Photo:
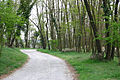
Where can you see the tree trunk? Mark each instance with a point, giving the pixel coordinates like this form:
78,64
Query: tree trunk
47,27
95,31
43,41
12,41
26,34
59,29
106,12
68,26
115,18
1,44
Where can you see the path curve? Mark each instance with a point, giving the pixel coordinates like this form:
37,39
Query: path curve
41,67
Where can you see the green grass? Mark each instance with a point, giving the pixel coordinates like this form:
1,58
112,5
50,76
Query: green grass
11,59
87,68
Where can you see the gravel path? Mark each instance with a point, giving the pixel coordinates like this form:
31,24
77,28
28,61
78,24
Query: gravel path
41,67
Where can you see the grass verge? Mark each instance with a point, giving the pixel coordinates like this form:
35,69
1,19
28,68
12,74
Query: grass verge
11,59
89,69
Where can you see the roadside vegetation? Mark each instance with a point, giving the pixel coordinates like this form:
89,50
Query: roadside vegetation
91,28
89,69
11,59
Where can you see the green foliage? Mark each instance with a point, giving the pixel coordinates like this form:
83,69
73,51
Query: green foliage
89,69
8,15
114,33
11,59
25,8
36,34
54,44
9,20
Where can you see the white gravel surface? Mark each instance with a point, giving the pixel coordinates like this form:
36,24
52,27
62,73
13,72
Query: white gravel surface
41,67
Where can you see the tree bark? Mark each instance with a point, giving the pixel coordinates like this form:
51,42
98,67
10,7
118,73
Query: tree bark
95,31
26,34
115,18
106,13
47,27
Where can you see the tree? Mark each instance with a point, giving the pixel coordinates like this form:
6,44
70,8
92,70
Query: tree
106,9
9,20
25,10
95,30
115,19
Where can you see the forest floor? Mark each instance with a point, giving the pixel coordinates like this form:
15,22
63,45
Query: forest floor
88,69
42,66
10,60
